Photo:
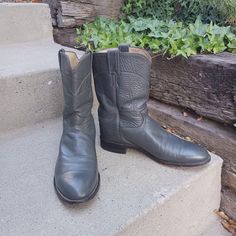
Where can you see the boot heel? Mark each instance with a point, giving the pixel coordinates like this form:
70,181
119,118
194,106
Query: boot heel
112,147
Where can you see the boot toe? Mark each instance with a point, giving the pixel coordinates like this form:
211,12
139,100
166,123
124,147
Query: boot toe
196,155
75,187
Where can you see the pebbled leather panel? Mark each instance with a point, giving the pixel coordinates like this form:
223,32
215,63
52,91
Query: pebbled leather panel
133,88
132,92
132,99
135,63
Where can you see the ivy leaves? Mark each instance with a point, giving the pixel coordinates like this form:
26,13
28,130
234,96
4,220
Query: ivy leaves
173,38
218,11
104,33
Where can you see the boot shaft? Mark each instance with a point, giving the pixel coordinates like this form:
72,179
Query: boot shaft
122,78
77,89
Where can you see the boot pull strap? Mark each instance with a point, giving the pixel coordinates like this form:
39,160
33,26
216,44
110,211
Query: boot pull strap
113,60
124,47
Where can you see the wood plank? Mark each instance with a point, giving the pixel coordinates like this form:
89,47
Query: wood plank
228,203
108,8
75,13
203,83
69,14
77,9
65,36
72,14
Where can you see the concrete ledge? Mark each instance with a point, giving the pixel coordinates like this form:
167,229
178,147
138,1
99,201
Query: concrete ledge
22,22
23,58
137,195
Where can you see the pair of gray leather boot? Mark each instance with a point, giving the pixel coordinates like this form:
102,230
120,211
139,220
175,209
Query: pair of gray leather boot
122,78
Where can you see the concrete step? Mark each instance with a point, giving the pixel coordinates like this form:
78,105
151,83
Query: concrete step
30,83
137,196
216,229
25,22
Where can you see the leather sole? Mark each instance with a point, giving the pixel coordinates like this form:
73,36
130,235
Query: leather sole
72,201
122,149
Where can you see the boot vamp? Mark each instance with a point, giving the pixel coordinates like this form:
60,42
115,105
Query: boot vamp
152,138
76,173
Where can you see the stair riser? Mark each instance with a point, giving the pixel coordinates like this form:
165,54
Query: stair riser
30,98
190,210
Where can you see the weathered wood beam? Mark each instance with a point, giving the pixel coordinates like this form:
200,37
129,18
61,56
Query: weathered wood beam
71,14
77,9
203,83
108,8
228,203
65,36
75,13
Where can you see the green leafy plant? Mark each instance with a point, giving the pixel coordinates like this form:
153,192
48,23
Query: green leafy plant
105,33
217,11
226,7
168,37
161,9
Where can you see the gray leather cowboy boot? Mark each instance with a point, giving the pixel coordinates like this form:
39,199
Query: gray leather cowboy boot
76,173
122,79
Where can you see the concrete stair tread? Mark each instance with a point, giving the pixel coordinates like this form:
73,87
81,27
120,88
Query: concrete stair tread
31,57
216,229
136,193
25,22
